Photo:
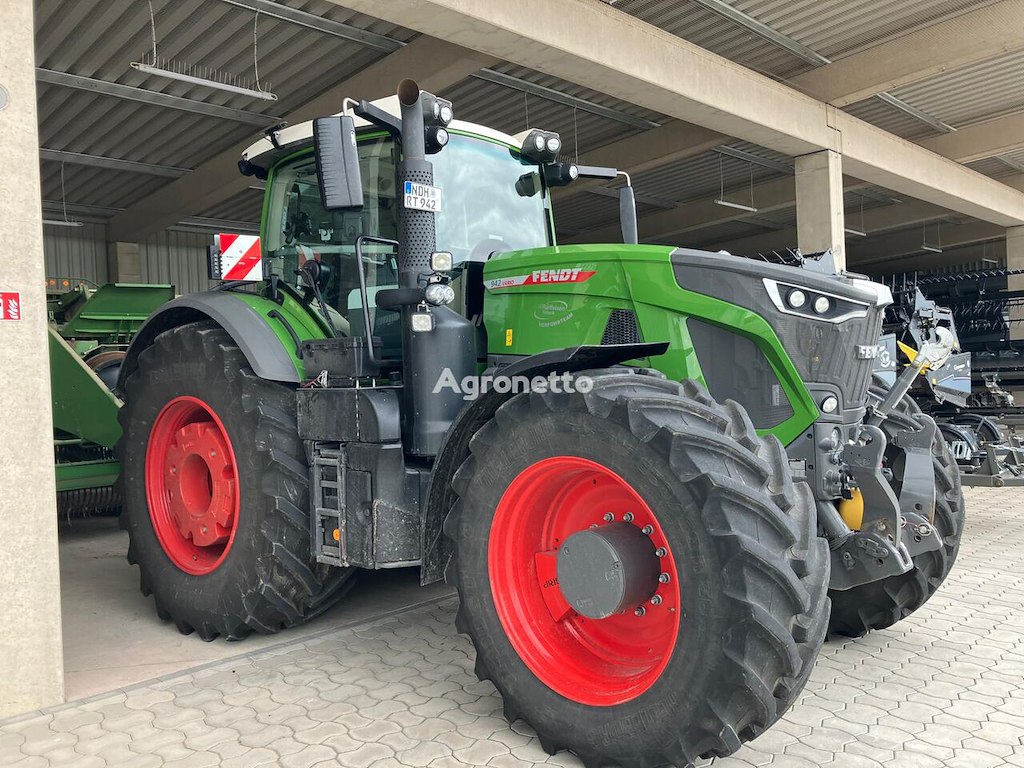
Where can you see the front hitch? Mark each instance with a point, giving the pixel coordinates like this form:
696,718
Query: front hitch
874,552
917,494
893,529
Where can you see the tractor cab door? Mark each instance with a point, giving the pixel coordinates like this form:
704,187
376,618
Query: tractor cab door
299,228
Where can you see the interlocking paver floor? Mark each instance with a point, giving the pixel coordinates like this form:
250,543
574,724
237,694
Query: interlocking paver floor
942,688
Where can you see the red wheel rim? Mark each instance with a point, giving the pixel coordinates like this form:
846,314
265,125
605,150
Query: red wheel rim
192,485
598,662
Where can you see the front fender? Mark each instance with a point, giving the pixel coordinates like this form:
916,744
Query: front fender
266,332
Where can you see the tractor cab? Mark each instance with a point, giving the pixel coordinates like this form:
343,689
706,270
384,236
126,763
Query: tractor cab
491,199
490,194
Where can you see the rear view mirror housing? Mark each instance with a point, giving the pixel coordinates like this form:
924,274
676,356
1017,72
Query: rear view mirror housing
627,215
337,163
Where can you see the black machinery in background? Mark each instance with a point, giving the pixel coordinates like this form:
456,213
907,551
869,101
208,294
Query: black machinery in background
968,396
985,311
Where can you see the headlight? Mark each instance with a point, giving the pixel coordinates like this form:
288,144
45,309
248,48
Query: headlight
441,261
439,294
829,404
435,138
539,146
437,111
422,322
814,303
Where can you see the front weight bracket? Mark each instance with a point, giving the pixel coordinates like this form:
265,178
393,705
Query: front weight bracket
875,551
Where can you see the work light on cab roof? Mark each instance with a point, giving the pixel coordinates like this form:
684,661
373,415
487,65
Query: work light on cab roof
539,146
437,114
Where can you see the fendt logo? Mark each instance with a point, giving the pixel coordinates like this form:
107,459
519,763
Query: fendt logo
576,275
542,277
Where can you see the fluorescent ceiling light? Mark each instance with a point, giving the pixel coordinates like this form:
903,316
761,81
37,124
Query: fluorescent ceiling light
63,223
930,248
855,232
251,92
738,206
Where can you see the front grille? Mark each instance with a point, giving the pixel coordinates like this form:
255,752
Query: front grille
735,369
827,354
822,352
621,328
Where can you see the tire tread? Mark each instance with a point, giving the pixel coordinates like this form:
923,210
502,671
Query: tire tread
697,436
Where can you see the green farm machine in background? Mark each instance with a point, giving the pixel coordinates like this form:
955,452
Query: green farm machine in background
647,470
90,329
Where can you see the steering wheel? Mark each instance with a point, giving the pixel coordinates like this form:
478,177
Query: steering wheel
298,225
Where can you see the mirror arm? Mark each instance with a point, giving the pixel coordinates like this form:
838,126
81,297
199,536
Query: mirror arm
597,172
379,117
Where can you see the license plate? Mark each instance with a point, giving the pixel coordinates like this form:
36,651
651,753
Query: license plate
422,197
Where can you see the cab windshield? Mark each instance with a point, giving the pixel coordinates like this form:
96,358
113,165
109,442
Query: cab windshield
481,213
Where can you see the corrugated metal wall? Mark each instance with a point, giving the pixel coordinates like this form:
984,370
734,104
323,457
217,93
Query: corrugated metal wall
76,252
176,257
173,256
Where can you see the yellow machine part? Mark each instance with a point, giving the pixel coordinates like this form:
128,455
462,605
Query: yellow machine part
852,510
907,350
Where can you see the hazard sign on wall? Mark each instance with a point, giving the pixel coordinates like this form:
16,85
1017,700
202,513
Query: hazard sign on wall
10,305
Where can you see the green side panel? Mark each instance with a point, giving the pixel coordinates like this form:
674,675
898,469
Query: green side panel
302,319
87,474
544,299
82,404
115,311
567,297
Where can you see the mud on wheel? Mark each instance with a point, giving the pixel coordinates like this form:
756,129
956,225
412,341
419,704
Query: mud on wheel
881,604
215,493
639,574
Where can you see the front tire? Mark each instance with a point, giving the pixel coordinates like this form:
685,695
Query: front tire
215,489
727,640
880,604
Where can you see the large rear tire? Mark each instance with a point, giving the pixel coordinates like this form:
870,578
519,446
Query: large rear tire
730,635
215,489
881,604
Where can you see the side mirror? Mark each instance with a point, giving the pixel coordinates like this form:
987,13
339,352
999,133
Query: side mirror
337,162
627,215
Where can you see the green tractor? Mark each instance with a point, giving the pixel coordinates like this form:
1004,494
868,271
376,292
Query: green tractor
645,469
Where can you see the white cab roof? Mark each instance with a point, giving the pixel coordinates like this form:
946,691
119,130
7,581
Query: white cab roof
303,132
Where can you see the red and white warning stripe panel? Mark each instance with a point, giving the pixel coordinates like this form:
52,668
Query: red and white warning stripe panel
542,276
241,257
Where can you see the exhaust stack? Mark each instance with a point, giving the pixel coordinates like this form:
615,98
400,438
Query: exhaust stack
416,235
449,344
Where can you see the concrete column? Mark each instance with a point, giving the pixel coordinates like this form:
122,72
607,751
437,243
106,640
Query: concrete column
819,204
123,264
1015,260
31,653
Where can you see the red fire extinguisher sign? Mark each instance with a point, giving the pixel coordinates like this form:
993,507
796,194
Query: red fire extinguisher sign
10,305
